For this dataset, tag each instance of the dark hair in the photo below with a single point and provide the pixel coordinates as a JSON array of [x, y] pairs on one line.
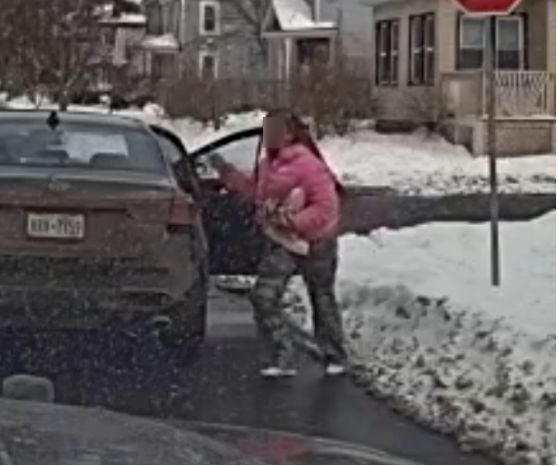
[[302, 135]]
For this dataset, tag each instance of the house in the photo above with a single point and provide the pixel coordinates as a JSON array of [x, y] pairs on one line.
[[429, 58], [239, 39], [122, 28], [298, 37], [304, 31], [207, 38]]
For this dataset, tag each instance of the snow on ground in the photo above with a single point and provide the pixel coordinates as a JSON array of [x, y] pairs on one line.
[[151, 113], [419, 163], [414, 163], [196, 134], [427, 331]]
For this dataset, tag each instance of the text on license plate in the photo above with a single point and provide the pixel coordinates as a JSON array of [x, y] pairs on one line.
[[64, 226]]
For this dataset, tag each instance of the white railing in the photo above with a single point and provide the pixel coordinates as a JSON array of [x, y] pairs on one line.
[[523, 93]]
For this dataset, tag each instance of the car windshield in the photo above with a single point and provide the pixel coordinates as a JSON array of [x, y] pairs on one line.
[[98, 147]]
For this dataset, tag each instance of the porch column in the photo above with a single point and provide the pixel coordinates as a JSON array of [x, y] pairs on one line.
[[550, 45], [288, 56], [331, 51]]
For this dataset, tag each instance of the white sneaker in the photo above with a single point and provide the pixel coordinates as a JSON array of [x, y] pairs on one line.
[[274, 372], [335, 369]]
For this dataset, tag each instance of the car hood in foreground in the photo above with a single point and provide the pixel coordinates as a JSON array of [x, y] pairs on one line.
[[37, 433]]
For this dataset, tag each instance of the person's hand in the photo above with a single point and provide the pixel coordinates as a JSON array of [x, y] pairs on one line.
[[282, 218]]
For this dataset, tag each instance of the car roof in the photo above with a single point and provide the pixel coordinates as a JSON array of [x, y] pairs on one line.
[[72, 117]]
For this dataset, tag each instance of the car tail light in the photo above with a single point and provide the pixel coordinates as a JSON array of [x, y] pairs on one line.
[[175, 212], [182, 213]]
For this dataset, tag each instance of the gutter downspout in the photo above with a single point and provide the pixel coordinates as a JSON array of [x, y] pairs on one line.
[[182, 24], [317, 10]]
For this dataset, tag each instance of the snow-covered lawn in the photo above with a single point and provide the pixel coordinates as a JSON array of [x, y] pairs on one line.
[[419, 163], [428, 332]]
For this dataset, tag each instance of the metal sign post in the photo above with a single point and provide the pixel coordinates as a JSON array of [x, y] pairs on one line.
[[491, 9], [490, 63]]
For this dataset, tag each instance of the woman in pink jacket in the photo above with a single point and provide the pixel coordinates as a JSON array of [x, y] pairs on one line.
[[298, 207]]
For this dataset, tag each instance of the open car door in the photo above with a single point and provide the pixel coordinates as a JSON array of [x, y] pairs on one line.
[[234, 239]]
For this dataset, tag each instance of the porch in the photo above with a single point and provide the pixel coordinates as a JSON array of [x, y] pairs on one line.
[[525, 109], [518, 94], [298, 39]]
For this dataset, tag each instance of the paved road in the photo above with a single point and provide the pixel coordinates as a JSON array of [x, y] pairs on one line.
[[221, 385]]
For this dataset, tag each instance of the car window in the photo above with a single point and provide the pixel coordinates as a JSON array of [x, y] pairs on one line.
[[97, 147], [183, 170], [170, 149], [241, 154]]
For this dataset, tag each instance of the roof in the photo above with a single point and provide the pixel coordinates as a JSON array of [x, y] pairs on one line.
[[296, 15], [166, 42], [122, 12], [130, 19], [92, 118]]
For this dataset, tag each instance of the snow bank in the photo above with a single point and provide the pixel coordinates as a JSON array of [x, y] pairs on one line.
[[428, 333]]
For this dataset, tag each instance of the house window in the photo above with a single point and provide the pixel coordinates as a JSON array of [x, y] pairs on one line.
[[422, 49], [510, 42], [208, 65], [209, 17], [509, 45], [387, 47]]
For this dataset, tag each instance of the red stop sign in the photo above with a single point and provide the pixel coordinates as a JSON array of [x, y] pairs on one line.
[[488, 7]]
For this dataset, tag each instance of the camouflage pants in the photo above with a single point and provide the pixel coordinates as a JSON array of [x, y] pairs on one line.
[[319, 272]]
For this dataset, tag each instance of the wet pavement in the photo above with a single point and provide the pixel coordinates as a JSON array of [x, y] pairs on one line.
[[221, 385]]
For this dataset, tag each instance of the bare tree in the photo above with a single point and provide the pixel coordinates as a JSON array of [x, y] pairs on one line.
[[51, 44], [253, 13]]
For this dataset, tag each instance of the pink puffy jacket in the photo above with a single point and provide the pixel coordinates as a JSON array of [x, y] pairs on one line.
[[293, 167]]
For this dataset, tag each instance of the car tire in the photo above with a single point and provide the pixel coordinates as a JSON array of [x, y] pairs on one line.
[[184, 339]]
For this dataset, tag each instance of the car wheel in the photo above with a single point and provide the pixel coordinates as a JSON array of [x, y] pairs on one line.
[[183, 340]]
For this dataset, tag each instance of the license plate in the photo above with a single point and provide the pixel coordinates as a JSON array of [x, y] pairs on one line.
[[56, 226]]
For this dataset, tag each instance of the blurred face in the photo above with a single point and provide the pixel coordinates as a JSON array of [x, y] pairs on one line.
[[276, 134]]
